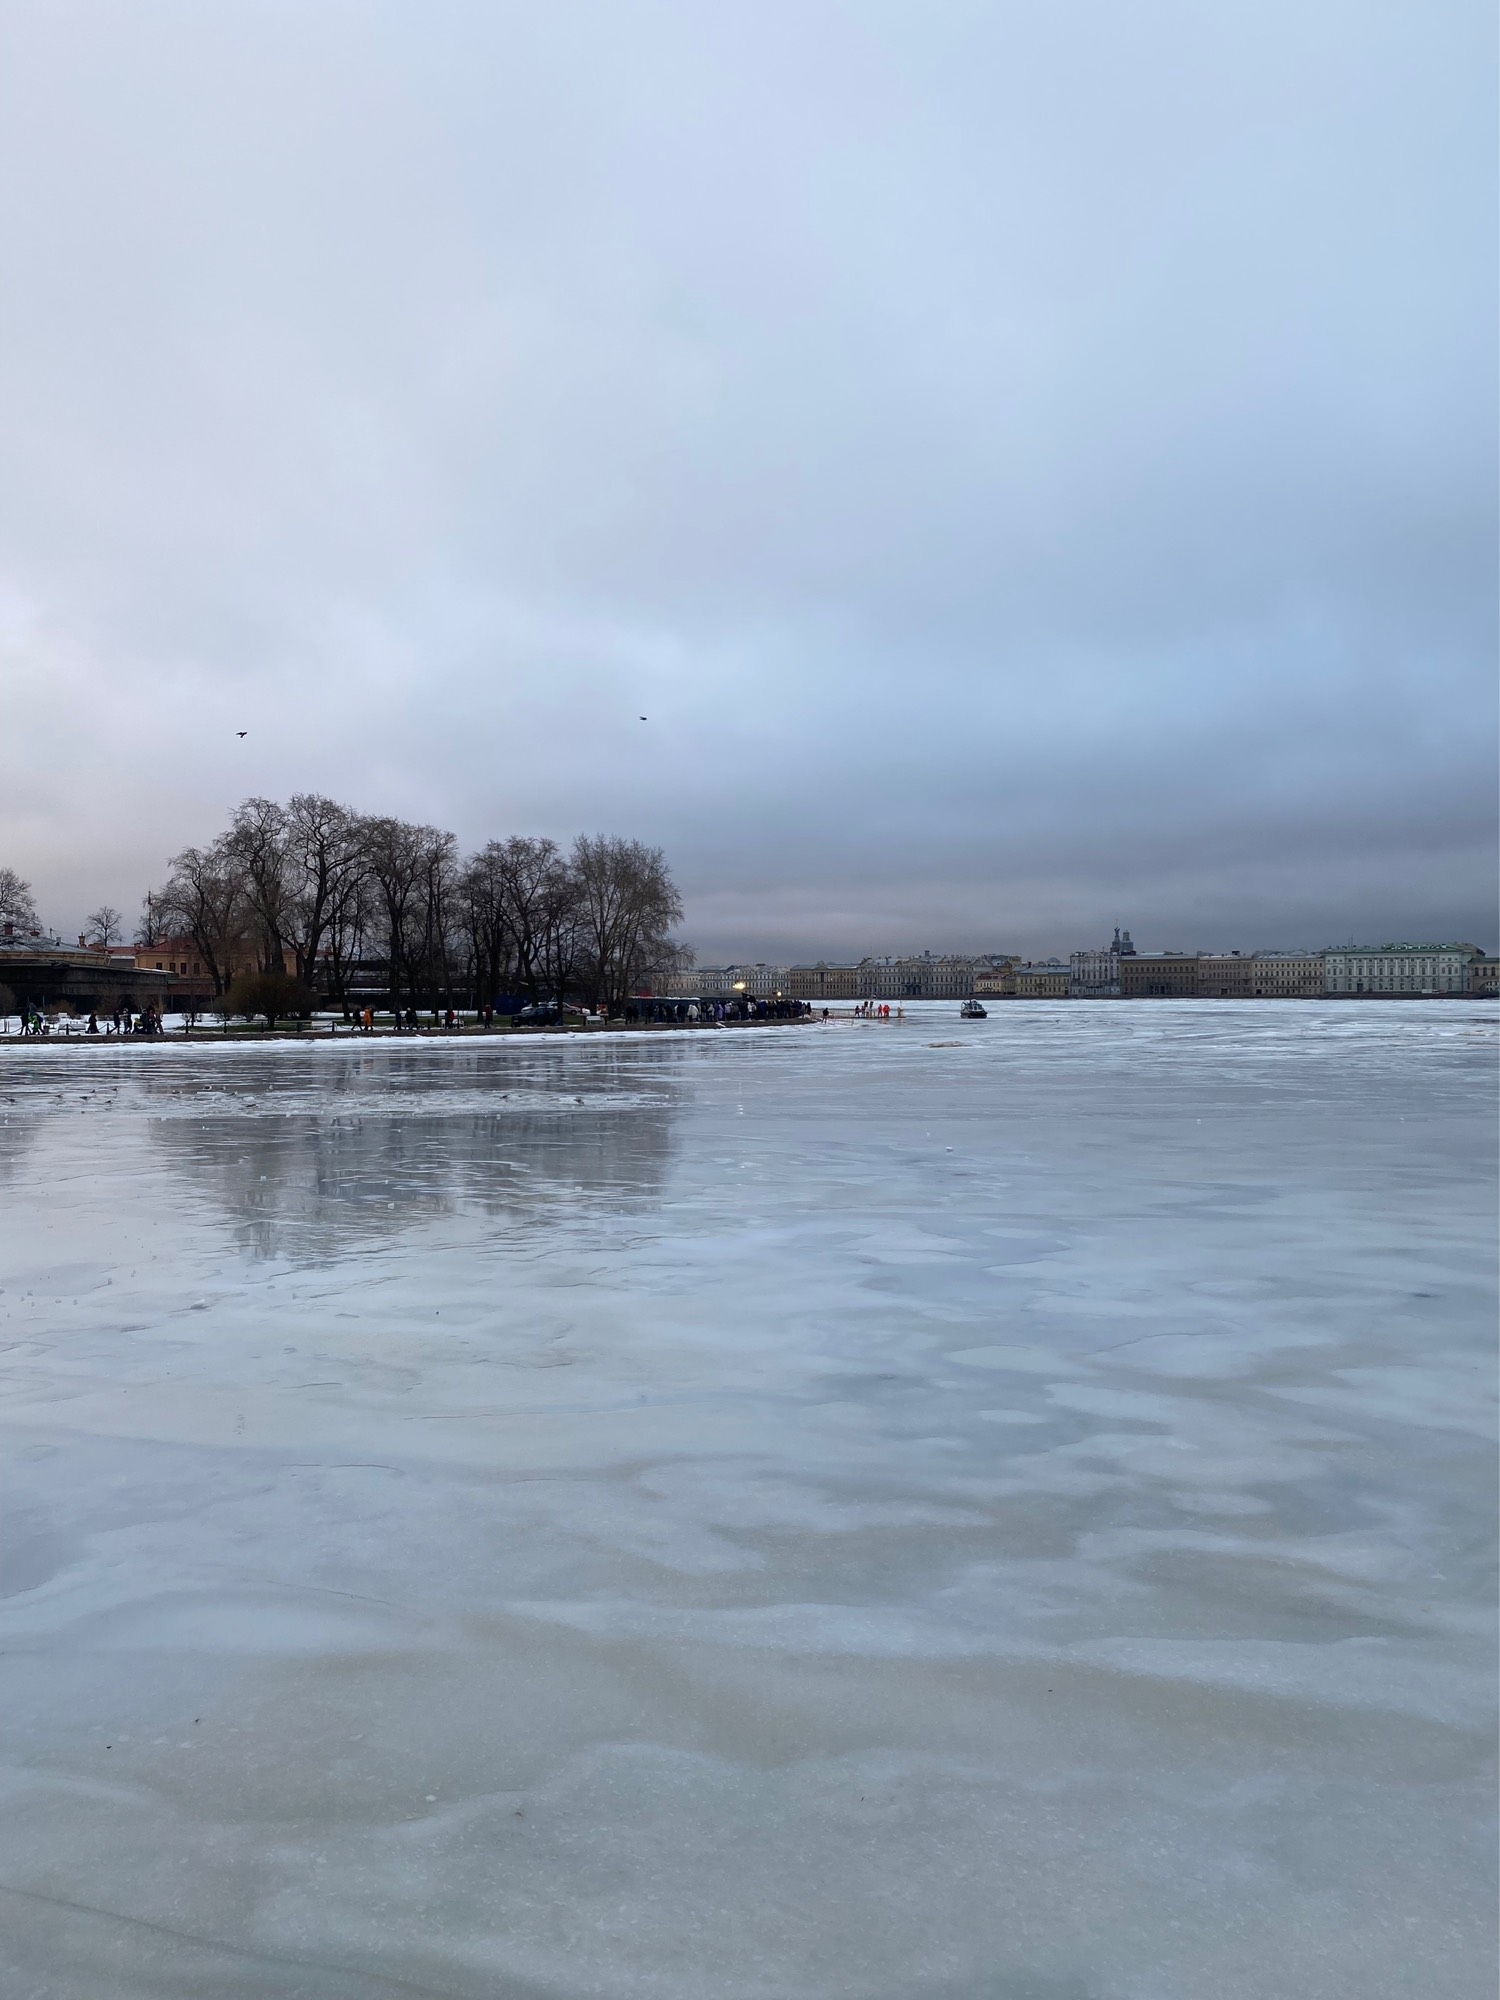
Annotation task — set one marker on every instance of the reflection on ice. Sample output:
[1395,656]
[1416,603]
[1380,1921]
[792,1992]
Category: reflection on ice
[801,1513]
[309,1183]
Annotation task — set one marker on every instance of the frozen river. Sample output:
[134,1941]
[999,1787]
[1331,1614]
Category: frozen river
[935,1511]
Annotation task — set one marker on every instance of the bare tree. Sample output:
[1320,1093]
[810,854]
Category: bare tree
[302,863]
[515,895]
[17,904]
[627,904]
[562,935]
[479,901]
[397,854]
[206,898]
[668,960]
[349,928]
[324,863]
[151,926]
[104,925]
[257,842]
[436,911]
[311,882]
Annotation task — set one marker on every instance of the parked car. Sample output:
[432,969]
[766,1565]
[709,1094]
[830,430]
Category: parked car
[547,1013]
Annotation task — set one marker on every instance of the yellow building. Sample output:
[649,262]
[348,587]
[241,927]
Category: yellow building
[1288,975]
[1225,975]
[822,982]
[995,982]
[1159,975]
[1050,981]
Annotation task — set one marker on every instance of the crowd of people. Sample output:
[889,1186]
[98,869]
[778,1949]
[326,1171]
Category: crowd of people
[665,1011]
[663,1008]
[125,1020]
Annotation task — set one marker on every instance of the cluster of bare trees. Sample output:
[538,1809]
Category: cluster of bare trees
[315,891]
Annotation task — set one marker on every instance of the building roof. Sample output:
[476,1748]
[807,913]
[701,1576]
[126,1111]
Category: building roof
[37,946]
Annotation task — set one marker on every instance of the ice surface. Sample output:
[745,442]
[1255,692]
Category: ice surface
[877,1511]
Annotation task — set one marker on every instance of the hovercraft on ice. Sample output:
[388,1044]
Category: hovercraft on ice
[972,1011]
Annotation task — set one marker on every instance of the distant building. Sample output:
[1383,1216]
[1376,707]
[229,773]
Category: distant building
[1225,976]
[760,981]
[995,979]
[881,979]
[926,977]
[728,982]
[1159,975]
[1048,980]
[1287,975]
[948,977]
[989,962]
[190,983]
[822,982]
[1096,974]
[931,976]
[1399,971]
[1118,970]
[705,982]
[43,972]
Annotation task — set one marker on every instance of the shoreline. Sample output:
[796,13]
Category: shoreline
[324,1034]
[345,1033]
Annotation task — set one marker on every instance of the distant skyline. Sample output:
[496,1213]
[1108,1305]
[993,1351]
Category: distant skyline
[972,948]
[1033,468]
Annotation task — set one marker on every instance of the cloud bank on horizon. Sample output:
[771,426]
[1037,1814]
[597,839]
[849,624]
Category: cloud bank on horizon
[1033,465]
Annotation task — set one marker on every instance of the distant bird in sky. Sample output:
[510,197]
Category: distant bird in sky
[643,718]
[242,732]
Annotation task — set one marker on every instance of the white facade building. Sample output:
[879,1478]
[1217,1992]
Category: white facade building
[928,977]
[730,982]
[881,979]
[759,981]
[1398,971]
[702,982]
[1097,973]
[1094,971]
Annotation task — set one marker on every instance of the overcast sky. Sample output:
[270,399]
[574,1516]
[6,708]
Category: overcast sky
[1033,464]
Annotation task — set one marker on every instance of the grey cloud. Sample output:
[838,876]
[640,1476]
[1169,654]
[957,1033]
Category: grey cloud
[1034,466]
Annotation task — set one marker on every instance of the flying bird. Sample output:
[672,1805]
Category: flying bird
[643,718]
[242,732]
